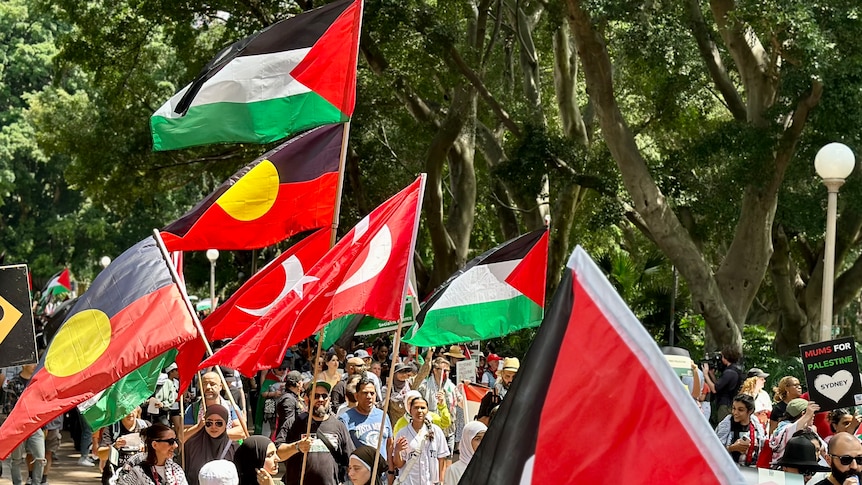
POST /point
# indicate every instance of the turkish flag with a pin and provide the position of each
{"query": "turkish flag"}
(595, 401)
(263, 290)
(365, 272)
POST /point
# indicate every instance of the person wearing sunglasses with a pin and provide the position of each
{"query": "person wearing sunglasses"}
(844, 459)
(327, 449)
(212, 444)
(155, 466)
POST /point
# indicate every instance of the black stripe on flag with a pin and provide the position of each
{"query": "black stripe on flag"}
(511, 439)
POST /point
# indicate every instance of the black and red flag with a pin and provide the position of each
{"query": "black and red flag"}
(290, 189)
(133, 312)
(595, 401)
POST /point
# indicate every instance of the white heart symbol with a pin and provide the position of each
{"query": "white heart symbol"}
(835, 386)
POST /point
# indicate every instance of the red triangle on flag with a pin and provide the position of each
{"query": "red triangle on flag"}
(329, 68)
(592, 354)
(65, 279)
(530, 274)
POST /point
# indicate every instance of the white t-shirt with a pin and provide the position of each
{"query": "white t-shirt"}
(424, 470)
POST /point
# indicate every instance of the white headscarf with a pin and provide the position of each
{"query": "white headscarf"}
(466, 447)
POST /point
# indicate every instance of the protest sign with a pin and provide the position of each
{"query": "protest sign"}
(17, 332)
(832, 373)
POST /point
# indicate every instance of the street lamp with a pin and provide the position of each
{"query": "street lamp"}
(105, 261)
(834, 162)
(212, 255)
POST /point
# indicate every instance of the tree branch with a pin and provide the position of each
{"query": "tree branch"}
(471, 76)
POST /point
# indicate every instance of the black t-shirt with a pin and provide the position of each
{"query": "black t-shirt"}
(322, 467)
(286, 410)
(737, 431)
(727, 386)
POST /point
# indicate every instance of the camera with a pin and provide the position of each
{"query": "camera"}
(713, 360)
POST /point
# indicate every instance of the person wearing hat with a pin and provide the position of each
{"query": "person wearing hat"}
(165, 398)
(753, 386)
(741, 435)
(327, 448)
(800, 457)
(492, 366)
(455, 355)
(288, 405)
(799, 415)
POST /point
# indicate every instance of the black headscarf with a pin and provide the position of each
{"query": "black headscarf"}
(249, 457)
(367, 454)
(202, 448)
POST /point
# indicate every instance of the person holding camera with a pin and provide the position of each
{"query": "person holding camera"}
(727, 386)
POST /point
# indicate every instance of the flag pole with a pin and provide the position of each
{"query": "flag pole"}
(345, 134)
(200, 330)
(396, 344)
(182, 432)
(311, 402)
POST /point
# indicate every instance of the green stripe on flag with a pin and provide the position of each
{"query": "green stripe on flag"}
(480, 321)
(129, 392)
(257, 122)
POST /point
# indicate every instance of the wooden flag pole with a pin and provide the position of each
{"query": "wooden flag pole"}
(200, 330)
(396, 344)
(181, 432)
(311, 401)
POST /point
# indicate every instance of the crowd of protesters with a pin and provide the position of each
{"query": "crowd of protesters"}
(784, 431)
(327, 427)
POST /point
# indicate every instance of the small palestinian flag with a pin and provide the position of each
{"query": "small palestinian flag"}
(59, 284)
(593, 368)
(292, 76)
(495, 294)
(290, 189)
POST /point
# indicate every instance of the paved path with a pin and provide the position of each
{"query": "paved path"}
(65, 470)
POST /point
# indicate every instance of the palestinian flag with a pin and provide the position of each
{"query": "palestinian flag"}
(117, 401)
(131, 313)
(292, 76)
(289, 189)
(590, 353)
(60, 283)
(495, 294)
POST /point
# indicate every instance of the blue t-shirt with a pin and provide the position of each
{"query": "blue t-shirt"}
(364, 430)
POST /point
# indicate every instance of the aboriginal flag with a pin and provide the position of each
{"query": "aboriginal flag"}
(592, 372)
(132, 313)
(290, 189)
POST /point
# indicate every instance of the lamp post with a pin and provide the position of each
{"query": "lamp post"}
(104, 261)
(834, 162)
(212, 255)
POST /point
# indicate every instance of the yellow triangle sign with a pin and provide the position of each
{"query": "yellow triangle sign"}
(9, 316)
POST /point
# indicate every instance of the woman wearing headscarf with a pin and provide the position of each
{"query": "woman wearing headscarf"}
(212, 444)
(361, 463)
(256, 461)
(155, 466)
(471, 437)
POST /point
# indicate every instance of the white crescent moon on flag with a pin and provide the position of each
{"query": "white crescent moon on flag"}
(379, 250)
(293, 274)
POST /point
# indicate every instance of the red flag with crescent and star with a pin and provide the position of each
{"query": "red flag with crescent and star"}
(263, 290)
(289, 189)
(591, 353)
(132, 312)
(365, 272)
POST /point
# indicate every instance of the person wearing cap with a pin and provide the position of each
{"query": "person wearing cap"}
(289, 404)
(799, 415)
(489, 376)
(753, 386)
(800, 458)
(327, 448)
(741, 435)
(165, 398)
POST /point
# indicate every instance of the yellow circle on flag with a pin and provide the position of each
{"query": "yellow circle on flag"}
(253, 194)
(79, 342)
